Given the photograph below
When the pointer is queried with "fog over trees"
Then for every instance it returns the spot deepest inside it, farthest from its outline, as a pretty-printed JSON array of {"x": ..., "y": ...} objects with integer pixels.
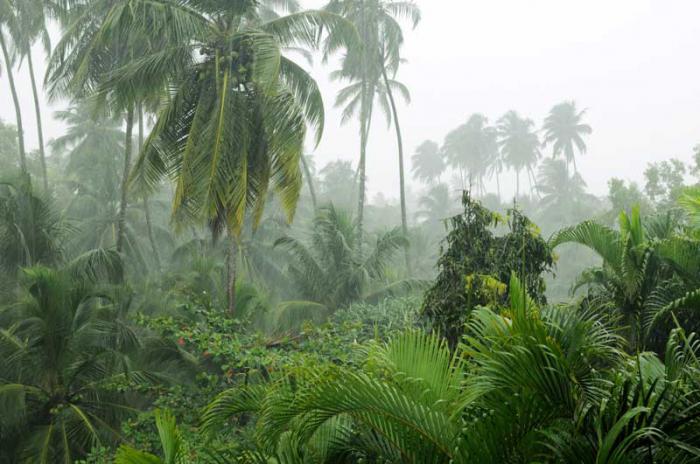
[{"x": 357, "y": 231}]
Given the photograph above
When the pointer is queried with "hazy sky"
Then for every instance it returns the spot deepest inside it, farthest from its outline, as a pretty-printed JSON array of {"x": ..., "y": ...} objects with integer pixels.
[{"x": 632, "y": 63}]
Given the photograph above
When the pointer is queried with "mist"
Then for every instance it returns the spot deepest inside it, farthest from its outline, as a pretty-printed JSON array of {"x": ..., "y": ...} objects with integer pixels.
[{"x": 349, "y": 231}]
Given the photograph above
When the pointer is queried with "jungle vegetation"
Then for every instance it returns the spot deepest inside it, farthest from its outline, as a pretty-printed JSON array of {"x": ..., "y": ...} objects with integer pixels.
[{"x": 181, "y": 281}]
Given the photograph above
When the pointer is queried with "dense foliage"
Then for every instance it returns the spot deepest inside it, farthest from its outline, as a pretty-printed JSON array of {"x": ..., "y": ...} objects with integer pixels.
[{"x": 182, "y": 282}]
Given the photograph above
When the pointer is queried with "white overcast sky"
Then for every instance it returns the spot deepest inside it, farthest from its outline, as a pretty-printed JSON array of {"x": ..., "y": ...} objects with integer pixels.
[{"x": 632, "y": 63}]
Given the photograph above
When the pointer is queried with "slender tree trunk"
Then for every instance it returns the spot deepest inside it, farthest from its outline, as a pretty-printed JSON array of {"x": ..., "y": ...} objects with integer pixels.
[
  {"x": 146, "y": 206},
  {"x": 18, "y": 110},
  {"x": 534, "y": 181},
  {"x": 517, "y": 183},
  {"x": 231, "y": 264},
  {"x": 365, "y": 114},
  {"x": 573, "y": 160},
  {"x": 498, "y": 185},
  {"x": 309, "y": 182},
  {"x": 128, "y": 149},
  {"x": 39, "y": 127},
  {"x": 402, "y": 183}
]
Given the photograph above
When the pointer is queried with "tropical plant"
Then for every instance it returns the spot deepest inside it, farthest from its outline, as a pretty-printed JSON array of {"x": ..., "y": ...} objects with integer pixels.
[
  {"x": 428, "y": 162},
  {"x": 475, "y": 265},
  {"x": 543, "y": 385},
  {"x": 332, "y": 271},
  {"x": 562, "y": 195},
  {"x": 8, "y": 20},
  {"x": 437, "y": 205},
  {"x": 30, "y": 26},
  {"x": 170, "y": 440},
  {"x": 368, "y": 68},
  {"x": 519, "y": 145},
  {"x": 646, "y": 273},
  {"x": 31, "y": 230},
  {"x": 470, "y": 149},
  {"x": 564, "y": 129}
]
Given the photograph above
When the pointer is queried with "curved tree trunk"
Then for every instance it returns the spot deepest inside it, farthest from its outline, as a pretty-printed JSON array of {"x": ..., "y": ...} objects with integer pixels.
[
  {"x": 39, "y": 127},
  {"x": 146, "y": 207},
  {"x": 309, "y": 182},
  {"x": 402, "y": 184},
  {"x": 15, "y": 100},
  {"x": 231, "y": 271},
  {"x": 128, "y": 149}
]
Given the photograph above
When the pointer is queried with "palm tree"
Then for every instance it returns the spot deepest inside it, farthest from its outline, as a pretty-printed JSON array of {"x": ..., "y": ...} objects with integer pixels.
[
  {"x": 648, "y": 271},
  {"x": 31, "y": 26},
  {"x": 331, "y": 271},
  {"x": 60, "y": 362},
  {"x": 368, "y": 68},
  {"x": 471, "y": 148},
  {"x": 519, "y": 145},
  {"x": 428, "y": 162},
  {"x": 9, "y": 20},
  {"x": 234, "y": 127},
  {"x": 564, "y": 128},
  {"x": 31, "y": 231},
  {"x": 437, "y": 205},
  {"x": 527, "y": 385},
  {"x": 562, "y": 194}
]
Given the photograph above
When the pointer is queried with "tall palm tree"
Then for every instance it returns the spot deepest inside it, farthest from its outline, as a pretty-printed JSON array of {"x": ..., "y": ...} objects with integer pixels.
[
  {"x": 369, "y": 69},
  {"x": 8, "y": 20},
  {"x": 428, "y": 162},
  {"x": 31, "y": 26},
  {"x": 470, "y": 148},
  {"x": 519, "y": 145},
  {"x": 565, "y": 129},
  {"x": 234, "y": 126}
]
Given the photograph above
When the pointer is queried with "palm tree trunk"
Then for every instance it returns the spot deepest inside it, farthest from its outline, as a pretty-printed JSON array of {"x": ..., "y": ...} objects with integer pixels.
[
  {"x": 231, "y": 270},
  {"x": 402, "y": 185},
  {"x": 498, "y": 185},
  {"x": 15, "y": 100},
  {"x": 128, "y": 148},
  {"x": 534, "y": 182},
  {"x": 146, "y": 207},
  {"x": 365, "y": 114},
  {"x": 309, "y": 182},
  {"x": 39, "y": 127}
]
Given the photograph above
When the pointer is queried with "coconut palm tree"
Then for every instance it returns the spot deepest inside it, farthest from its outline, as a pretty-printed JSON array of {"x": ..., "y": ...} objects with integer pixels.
[
  {"x": 8, "y": 20},
  {"x": 234, "y": 126},
  {"x": 519, "y": 145},
  {"x": 428, "y": 162},
  {"x": 565, "y": 130},
  {"x": 371, "y": 69},
  {"x": 31, "y": 26},
  {"x": 470, "y": 148}
]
